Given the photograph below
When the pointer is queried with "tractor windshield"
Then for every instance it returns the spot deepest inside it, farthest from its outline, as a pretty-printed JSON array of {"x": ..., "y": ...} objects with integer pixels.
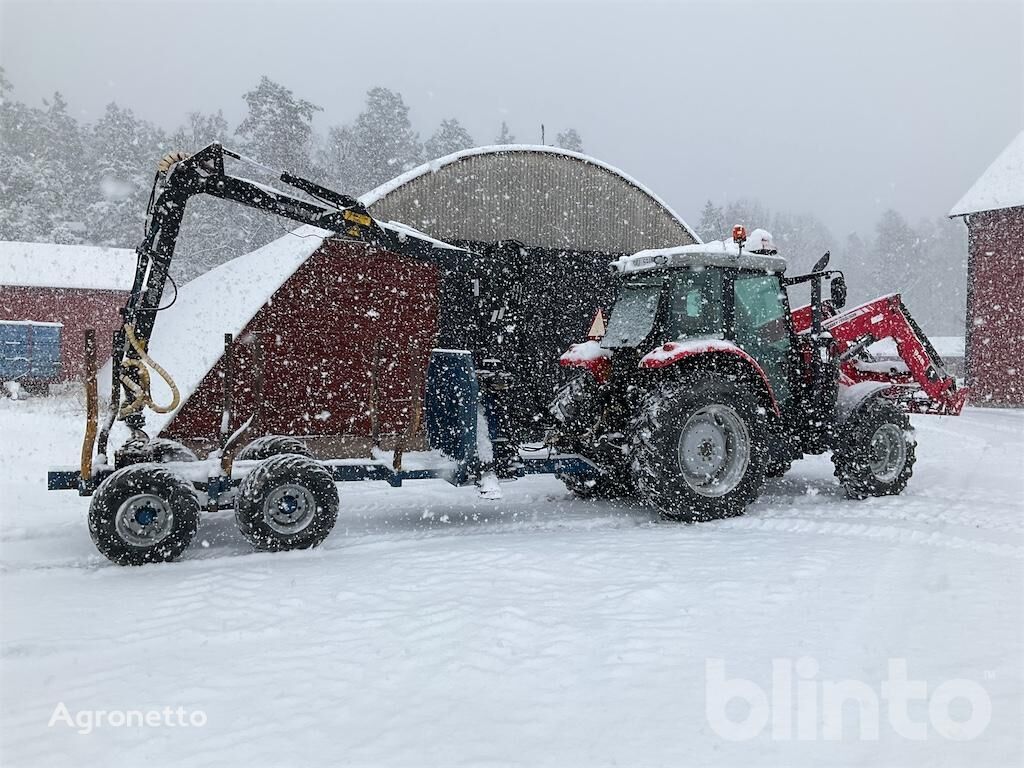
[{"x": 634, "y": 314}]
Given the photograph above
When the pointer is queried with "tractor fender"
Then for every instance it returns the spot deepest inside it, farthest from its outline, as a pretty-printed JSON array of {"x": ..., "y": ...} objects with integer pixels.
[
  {"x": 591, "y": 356},
  {"x": 855, "y": 396},
  {"x": 675, "y": 351}
]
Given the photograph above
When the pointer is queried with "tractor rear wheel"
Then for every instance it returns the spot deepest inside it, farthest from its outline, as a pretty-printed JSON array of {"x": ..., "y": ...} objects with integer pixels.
[
  {"x": 875, "y": 453},
  {"x": 287, "y": 502},
  {"x": 143, "y": 513},
  {"x": 699, "y": 449}
]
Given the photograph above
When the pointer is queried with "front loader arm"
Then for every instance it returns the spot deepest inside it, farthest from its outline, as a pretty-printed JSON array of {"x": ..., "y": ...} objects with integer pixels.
[{"x": 887, "y": 317}]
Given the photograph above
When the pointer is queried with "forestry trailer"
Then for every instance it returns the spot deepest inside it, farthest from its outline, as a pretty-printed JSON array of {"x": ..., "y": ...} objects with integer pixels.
[{"x": 705, "y": 382}]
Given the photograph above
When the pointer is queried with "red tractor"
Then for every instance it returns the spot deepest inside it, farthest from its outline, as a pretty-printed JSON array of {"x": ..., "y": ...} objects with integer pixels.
[{"x": 706, "y": 382}]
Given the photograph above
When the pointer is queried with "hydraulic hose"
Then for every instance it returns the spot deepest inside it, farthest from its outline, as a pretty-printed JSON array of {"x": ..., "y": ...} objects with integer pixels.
[{"x": 141, "y": 389}]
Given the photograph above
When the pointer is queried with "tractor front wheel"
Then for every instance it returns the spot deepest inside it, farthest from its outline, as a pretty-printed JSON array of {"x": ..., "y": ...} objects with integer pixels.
[
  {"x": 700, "y": 449},
  {"x": 875, "y": 452}
]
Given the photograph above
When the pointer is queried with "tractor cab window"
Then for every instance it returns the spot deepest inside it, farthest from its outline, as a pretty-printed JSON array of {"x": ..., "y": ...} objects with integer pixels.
[
  {"x": 762, "y": 327},
  {"x": 634, "y": 314},
  {"x": 696, "y": 305}
]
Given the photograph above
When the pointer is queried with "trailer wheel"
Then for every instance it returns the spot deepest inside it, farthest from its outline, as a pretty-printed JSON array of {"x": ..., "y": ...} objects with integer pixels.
[
  {"x": 158, "y": 450},
  {"x": 143, "y": 513},
  {"x": 287, "y": 502},
  {"x": 272, "y": 445},
  {"x": 161, "y": 450},
  {"x": 875, "y": 452},
  {"x": 699, "y": 449}
]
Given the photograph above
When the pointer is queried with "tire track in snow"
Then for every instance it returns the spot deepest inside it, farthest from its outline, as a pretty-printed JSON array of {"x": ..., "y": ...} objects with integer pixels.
[
  {"x": 891, "y": 533},
  {"x": 984, "y": 521}
]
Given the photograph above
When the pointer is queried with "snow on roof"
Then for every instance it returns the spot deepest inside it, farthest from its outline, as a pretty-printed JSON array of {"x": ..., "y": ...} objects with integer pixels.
[
  {"x": 712, "y": 254},
  {"x": 434, "y": 166},
  {"x": 48, "y": 265},
  {"x": 1000, "y": 186},
  {"x": 188, "y": 336}
]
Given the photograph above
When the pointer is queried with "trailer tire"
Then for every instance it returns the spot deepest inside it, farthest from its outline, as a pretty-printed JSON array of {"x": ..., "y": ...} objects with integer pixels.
[
  {"x": 710, "y": 415},
  {"x": 272, "y": 445},
  {"x": 143, "y": 513},
  {"x": 287, "y": 502},
  {"x": 875, "y": 452},
  {"x": 161, "y": 450}
]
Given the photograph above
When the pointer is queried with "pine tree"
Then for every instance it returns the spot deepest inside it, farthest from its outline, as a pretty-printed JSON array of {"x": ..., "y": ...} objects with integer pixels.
[
  {"x": 802, "y": 237},
  {"x": 125, "y": 151},
  {"x": 570, "y": 140},
  {"x": 712, "y": 223},
  {"x": 336, "y": 156},
  {"x": 747, "y": 212},
  {"x": 893, "y": 257},
  {"x": 278, "y": 127},
  {"x": 505, "y": 136},
  {"x": 200, "y": 131},
  {"x": 384, "y": 144},
  {"x": 448, "y": 138}
]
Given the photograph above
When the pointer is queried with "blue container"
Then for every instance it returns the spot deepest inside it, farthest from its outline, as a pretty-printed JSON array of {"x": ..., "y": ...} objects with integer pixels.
[{"x": 29, "y": 351}]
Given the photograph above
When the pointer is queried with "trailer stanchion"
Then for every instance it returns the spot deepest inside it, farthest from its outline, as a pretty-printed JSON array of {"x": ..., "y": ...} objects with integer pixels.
[{"x": 91, "y": 413}]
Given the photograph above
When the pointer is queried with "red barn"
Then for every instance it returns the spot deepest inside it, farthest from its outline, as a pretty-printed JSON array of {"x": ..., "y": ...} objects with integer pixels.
[
  {"x": 77, "y": 286},
  {"x": 993, "y": 210},
  {"x": 338, "y": 326}
]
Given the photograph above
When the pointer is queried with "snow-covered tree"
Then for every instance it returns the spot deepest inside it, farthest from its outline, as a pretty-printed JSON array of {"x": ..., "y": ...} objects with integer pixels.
[
  {"x": 200, "y": 130},
  {"x": 802, "y": 237},
  {"x": 278, "y": 127},
  {"x": 712, "y": 223},
  {"x": 505, "y": 135},
  {"x": 125, "y": 152},
  {"x": 569, "y": 139},
  {"x": 449, "y": 137},
  {"x": 384, "y": 143},
  {"x": 335, "y": 155}
]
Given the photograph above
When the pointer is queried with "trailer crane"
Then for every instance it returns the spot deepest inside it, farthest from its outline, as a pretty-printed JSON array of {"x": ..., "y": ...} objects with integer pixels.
[{"x": 180, "y": 177}]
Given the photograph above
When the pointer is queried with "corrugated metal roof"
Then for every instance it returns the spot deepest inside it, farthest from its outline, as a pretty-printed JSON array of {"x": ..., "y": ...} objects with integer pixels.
[{"x": 540, "y": 196}]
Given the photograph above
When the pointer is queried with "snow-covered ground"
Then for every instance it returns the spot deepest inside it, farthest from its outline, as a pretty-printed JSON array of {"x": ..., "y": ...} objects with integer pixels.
[{"x": 438, "y": 628}]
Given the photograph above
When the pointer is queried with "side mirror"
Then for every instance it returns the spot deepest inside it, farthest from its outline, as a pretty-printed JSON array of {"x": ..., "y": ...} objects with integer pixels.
[
  {"x": 838, "y": 290},
  {"x": 821, "y": 263}
]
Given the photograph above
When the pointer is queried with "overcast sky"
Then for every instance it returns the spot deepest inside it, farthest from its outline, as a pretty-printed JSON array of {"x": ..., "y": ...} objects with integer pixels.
[{"x": 842, "y": 109}]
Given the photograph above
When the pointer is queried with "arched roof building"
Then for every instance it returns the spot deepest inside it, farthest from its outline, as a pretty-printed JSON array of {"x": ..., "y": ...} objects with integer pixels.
[{"x": 538, "y": 196}]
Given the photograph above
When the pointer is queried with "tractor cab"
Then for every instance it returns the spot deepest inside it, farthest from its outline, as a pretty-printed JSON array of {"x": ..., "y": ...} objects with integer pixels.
[{"x": 677, "y": 302}]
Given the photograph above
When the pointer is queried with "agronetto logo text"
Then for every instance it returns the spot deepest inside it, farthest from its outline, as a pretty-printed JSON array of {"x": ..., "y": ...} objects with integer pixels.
[
  {"x": 85, "y": 721},
  {"x": 800, "y": 706}
]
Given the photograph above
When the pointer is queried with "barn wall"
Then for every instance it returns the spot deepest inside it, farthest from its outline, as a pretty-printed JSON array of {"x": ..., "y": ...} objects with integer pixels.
[
  {"x": 345, "y": 313},
  {"x": 995, "y": 307},
  {"x": 540, "y": 199},
  {"x": 77, "y": 308}
]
